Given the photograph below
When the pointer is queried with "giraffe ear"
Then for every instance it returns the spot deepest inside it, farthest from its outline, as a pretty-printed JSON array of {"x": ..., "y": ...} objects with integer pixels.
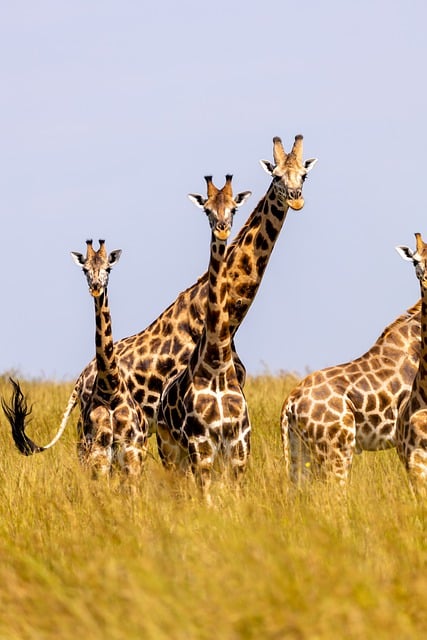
[
  {"x": 309, "y": 164},
  {"x": 405, "y": 253},
  {"x": 267, "y": 166},
  {"x": 242, "y": 197},
  {"x": 78, "y": 258},
  {"x": 114, "y": 257},
  {"x": 199, "y": 201}
]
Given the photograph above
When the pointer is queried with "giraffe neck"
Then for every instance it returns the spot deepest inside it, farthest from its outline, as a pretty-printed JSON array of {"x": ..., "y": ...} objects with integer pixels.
[
  {"x": 106, "y": 361},
  {"x": 248, "y": 255},
  {"x": 214, "y": 347},
  {"x": 422, "y": 367}
]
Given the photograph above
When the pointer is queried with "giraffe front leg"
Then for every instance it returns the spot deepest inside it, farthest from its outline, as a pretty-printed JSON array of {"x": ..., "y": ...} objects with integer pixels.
[
  {"x": 130, "y": 457},
  {"x": 96, "y": 447},
  {"x": 239, "y": 454},
  {"x": 202, "y": 454},
  {"x": 130, "y": 440},
  {"x": 413, "y": 451}
]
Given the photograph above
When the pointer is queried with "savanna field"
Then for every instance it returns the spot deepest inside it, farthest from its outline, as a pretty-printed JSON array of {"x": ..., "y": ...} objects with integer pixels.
[{"x": 91, "y": 559}]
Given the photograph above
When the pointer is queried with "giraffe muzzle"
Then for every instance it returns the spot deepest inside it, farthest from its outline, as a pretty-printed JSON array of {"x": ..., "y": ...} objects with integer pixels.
[
  {"x": 222, "y": 230},
  {"x": 294, "y": 199},
  {"x": 296, "y": 203}
]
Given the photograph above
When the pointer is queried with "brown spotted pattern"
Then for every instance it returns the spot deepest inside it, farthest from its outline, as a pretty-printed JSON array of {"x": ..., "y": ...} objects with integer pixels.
[
  {"x": 411, "y": 426},
  {"x": 203, "y": 417},
  {"x": 112, "y": 429},
  {"x": 151, "y": 358},
  {"x": 148, "y": 360},
  {"x": 348, "y": 408}
]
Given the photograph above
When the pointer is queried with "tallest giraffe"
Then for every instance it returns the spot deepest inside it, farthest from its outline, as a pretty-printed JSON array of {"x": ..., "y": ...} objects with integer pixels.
[{"x": 149, "y": 359}]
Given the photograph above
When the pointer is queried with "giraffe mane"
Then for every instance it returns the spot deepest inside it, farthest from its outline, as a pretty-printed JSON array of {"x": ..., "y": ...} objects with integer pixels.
[{"x": 402, "y": 319}]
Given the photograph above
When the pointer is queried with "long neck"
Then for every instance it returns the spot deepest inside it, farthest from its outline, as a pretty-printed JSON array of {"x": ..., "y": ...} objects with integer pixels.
[
  {"x": 106, "y": 362},
  {"x": 422, "y": 367},
  {"x": 248, "y": 255},
  {"x": 214, "y": 348}
]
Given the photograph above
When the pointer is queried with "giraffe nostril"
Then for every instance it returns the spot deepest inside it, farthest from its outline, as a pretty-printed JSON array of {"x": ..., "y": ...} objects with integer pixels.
[{"x": 294, "y": 194}]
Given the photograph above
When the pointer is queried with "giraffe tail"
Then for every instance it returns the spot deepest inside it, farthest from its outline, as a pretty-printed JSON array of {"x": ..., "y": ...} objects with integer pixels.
[
  {"x": 16, "y": 413},
  {"x": 284, "y": 431}
]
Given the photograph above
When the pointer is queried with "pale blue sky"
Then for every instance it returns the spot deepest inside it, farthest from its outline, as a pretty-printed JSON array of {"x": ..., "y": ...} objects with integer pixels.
[{"x": 111, "y": 112}]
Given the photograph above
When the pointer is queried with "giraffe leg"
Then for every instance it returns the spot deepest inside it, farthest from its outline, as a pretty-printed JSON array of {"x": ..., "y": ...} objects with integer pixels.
[
  {"x": 416, "y": 464},
  {"x": 130, "y": 458},
  {"x": 171, "y": 453},
  {"x": 301, "y": 464},
  {"x": 96, "y": 450},
  {"x": 239, "y": 453},
  {"x": 326, "y": 453},
  {"x": 202, "y": 454}
]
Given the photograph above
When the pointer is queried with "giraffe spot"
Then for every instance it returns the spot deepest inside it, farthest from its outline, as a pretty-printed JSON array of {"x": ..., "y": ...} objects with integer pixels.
[
  {"x": 371, "y": 403},
  {"x": 277, "y": 212},
  {"x": 246, "y": 264},
  {"x": 207, "y": 406},
  {"x": 387, "y": 429},
  {"x": 317, "y": 412},
  {"x": 271, "y": 230},
  {"x": 321, "y": 393},
  {"x": 155, "y": 344},
  {"x": 261, "y": 243},
  {"x": 105, "y": 439},
  {"x": 155, "y": 384}
]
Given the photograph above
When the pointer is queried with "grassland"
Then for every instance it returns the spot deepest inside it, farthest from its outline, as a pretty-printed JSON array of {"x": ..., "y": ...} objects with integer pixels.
[{"x": 87, "y": 559}]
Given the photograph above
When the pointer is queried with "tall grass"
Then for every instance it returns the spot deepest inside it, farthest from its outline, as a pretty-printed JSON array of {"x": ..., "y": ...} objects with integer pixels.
[{"x": 91, "y": 559}]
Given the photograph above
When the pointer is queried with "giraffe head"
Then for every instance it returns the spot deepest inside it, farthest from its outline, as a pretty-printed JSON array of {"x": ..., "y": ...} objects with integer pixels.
[
  {"x": 417, "y": 257},
  {"x": 289, "y": 172},
  {"x": 96, "y": 266},
  {"x": 220, "y": 206}
]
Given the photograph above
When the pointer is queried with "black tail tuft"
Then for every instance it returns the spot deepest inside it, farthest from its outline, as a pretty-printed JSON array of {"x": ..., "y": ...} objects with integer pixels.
[{"x": 16, "y": 413}]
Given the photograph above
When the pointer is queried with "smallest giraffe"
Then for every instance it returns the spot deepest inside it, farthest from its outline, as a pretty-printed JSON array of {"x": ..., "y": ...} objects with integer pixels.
[
  {"x": 112, "y": 428},
  {"x": 203, "y": 419},
  {"x": 411, "y": 425}
]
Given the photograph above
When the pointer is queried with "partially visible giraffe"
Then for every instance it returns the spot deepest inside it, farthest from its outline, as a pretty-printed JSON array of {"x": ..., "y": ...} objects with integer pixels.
[
  {"x": 149, "y": 359},
  {"x": 411, "y": 425},
  {"x": 349, "y": 408},
  {"x": 112, "y": 428},
  {"x": 203, "y": 416}
]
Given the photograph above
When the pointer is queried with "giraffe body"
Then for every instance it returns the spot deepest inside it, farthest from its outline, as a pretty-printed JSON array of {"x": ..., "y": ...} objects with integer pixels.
[
  {"x": 349, "y": 408},
  {"x": 203, "y": 415},
  {"x": 112, "y": 429},
  {"x": 411, "y": 426}
]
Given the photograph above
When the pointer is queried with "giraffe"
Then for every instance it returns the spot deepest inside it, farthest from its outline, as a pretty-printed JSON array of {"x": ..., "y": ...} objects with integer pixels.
[
  {"x": 203, "y": 415},
  {"x": 112, "y": 429},
  {"x": 411, "y": 424},
  {"x": 149, "y": 359},
  {"x": 352, "y": 407}
]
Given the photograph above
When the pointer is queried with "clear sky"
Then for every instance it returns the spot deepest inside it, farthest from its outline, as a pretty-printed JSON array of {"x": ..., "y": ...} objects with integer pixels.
[{"x": 112, "y": 112}]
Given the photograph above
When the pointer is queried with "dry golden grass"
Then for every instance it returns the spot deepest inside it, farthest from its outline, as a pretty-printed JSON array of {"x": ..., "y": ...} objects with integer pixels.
[{"x": 83, "y": 558}]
